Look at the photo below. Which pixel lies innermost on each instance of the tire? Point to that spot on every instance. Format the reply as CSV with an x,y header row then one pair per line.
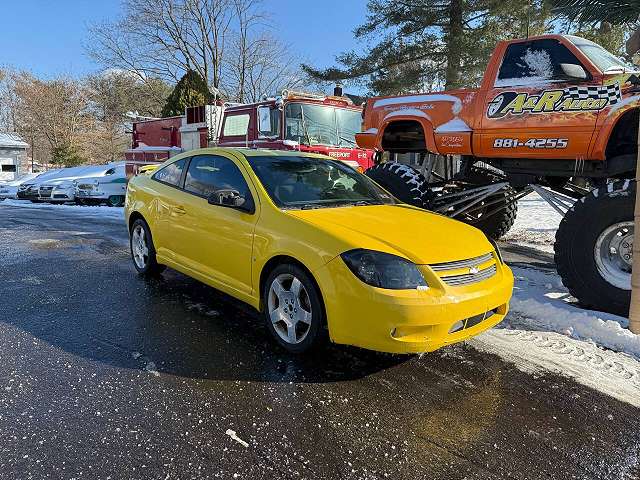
x,y
143,254
583,271
282,305
116,201
404,182
497,224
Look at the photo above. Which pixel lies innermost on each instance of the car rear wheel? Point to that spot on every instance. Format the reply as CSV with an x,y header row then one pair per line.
x,y
293,310
143,252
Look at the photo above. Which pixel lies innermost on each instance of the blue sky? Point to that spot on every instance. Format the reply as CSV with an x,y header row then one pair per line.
x,y
46,36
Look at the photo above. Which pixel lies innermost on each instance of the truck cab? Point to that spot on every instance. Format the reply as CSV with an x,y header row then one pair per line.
x,y
559,99
298,121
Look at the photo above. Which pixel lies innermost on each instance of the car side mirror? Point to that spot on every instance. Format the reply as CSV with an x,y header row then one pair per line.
x,y
571,70
232,199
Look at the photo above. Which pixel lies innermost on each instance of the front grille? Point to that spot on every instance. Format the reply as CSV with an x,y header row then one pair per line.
x,y
85,186
46,189
469,278
468,271
471,262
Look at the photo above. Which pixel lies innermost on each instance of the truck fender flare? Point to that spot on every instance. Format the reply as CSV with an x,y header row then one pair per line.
x,y
425,123
599,147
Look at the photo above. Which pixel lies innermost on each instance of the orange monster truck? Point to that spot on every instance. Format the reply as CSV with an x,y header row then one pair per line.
x,y
557,114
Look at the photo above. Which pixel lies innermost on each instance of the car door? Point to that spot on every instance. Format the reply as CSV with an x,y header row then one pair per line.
x,y
219,242
167,226
544,103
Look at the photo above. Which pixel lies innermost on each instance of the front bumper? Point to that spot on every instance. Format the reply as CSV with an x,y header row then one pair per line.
x,y
410,321
91,194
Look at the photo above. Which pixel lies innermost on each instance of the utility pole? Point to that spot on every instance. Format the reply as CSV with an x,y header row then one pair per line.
x,y
634,309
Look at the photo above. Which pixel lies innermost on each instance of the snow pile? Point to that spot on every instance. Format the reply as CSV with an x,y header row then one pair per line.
x,y
541,302
104,211
535,225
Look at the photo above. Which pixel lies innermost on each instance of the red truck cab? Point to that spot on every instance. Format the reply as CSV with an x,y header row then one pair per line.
x,y
298,121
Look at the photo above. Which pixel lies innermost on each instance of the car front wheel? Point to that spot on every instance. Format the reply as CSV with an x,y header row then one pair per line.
x,y
293,309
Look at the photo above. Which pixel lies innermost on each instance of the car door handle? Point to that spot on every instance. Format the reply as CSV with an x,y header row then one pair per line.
x,y
179,210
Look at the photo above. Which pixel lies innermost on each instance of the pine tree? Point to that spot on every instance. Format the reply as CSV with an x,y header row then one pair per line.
x,y
190,91
424,45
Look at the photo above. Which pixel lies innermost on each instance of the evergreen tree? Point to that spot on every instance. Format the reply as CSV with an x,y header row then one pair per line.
x,y
425,45
66,156
190,91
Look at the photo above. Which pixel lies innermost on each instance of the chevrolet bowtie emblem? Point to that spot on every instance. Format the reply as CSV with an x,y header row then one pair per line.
x,y
473,270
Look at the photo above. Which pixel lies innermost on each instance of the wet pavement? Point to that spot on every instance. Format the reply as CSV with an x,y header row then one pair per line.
x,y
104,374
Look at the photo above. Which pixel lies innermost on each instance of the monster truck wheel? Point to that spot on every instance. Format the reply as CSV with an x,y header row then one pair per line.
x,y
501,209
404,182
593,247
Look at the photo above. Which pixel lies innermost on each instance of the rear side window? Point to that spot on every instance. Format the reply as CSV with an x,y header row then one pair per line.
x,y
209,174
236,125
171,174
534,61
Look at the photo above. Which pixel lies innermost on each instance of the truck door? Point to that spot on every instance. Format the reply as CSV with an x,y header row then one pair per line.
x,y
544,103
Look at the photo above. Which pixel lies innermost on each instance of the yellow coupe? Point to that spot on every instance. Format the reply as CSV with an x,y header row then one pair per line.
x,y
318,248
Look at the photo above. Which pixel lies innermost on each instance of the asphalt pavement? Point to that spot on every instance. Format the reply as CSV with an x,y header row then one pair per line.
x,y
105,374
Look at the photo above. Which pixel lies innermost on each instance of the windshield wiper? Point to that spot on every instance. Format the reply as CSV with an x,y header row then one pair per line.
x,y
350,142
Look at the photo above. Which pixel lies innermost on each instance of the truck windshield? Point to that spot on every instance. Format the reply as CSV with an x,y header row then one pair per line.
x,y
311,124
600,57
299,182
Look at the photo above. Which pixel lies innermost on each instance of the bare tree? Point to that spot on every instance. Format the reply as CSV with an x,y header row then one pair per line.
x,y
264,67
227,42
56,110
8,101
165,38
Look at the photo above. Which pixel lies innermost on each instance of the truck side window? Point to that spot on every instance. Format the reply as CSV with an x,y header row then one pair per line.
x,y
534,62
236,125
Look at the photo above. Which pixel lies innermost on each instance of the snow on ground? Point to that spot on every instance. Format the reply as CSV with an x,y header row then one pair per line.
x,y
101,211
546,331
535,225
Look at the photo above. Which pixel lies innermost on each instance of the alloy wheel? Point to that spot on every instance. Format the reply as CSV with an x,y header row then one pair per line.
x,y
289,308
139,247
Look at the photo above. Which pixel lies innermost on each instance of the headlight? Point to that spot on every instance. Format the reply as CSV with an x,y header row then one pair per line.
x,y
384,270
497,249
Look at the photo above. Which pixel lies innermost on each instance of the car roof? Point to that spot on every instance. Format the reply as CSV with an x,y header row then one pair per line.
x,y
256,152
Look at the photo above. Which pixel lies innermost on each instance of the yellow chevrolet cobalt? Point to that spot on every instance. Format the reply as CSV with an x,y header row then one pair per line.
x,y
318,248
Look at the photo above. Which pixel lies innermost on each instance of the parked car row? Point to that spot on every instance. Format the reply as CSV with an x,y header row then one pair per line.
x,y
87,185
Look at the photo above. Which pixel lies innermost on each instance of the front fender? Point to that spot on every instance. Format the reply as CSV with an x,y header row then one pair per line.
x,y
424,121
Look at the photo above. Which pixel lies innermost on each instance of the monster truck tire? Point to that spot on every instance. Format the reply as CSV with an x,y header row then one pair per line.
x,y
499,223
577,238
404,182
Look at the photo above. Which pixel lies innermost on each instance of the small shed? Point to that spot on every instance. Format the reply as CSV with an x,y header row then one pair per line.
x,y
13,151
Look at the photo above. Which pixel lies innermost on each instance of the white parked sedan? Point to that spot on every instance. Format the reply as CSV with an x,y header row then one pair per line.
x,y
10,189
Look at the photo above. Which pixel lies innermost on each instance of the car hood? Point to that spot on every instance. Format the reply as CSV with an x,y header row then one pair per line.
x,y
421,236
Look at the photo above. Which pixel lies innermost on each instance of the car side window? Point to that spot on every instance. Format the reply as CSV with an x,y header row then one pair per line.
x,y
535,61
171,174
208,174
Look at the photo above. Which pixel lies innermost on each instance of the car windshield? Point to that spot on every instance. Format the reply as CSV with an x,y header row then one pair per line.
x,y
311,124
299,182
600,57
